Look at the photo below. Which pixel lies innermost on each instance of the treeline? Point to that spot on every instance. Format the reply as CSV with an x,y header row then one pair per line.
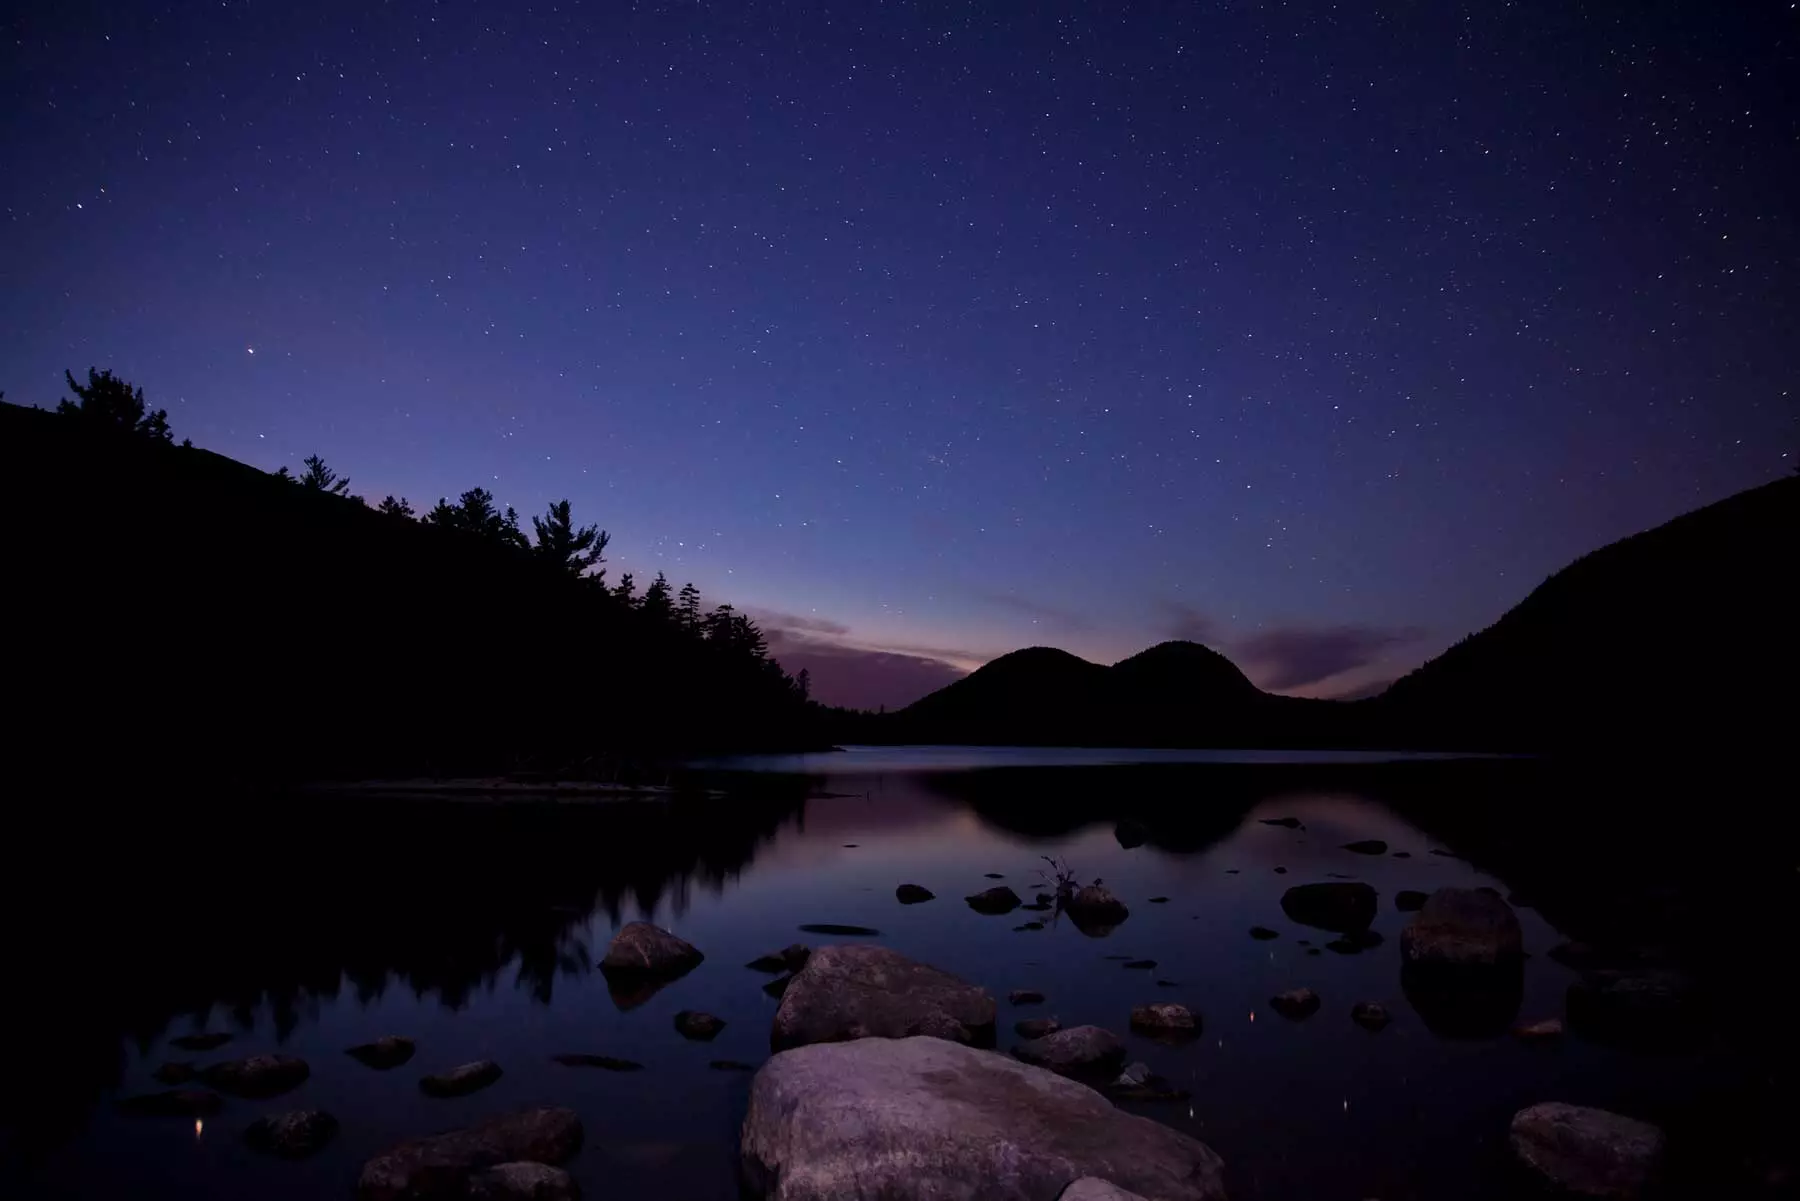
x,y
387,641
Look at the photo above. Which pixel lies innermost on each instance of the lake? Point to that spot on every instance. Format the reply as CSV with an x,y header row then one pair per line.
x,y
473,928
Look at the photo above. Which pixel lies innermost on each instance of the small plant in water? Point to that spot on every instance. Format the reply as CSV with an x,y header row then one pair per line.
x,y
1059,877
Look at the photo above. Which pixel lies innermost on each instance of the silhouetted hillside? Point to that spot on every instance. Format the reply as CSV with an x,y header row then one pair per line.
x,y
177,613
1679,635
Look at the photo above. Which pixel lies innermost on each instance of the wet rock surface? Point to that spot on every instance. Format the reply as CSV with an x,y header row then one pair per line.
x,y
853,991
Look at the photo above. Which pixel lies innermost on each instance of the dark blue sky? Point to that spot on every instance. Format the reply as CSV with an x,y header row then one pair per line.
x,y
1319,332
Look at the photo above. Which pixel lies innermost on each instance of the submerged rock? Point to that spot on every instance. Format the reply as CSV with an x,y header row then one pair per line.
x,y
1095,911
701,1027
1025,996
1370,1015
840,930
461,1080
789,959
1263,933
778,987
1036,1027
1086,1052
606,1063
174,1103
441,1166
1027,926
1587,1152
257,1076
210,1041
853,991
1295,1004
1342,908
913,894
387,1052
1166,1020
994,901
951,1122
292,1135
1367,846
523,1182
1463,928
1291,823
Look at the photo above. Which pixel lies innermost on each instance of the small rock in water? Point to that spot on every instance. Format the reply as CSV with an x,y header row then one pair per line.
x,y
388,1051
1546,1031
1081,1051
1141,965
1338,907
1037,907
175,1103
1403,854
731,1065
1587,1152
291,1135
1232,871
1036,1027
913,894
994,901
1370,1015
1165,1019
1339,876
1263,933
1168,984
850,846
1355,942
1025,996
641,949
1028,926
1291,823
174,1072
702,1027
1095,910
523,1181
1410,900
1296,1003
1159,900
994,875
840,931
1046,898
1133,1075
257,1076
1367,846
201,1042
1138,1083
461,1080
606,1063
789,959
1281,871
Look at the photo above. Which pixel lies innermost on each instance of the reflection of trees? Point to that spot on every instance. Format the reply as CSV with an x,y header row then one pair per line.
x,y
177,916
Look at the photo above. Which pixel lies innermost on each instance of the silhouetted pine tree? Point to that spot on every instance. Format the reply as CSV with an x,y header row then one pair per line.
x,y
687,610
623,590
657,601
561,544
110,402
395,508
321,478
474,514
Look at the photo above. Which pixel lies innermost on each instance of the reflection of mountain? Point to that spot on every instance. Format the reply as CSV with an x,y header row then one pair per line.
x,y
284,903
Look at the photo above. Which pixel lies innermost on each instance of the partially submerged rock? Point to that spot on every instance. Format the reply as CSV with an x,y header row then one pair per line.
x,y
1036,1027
293,1135
1086,1052
1025,996
461,1080
1587,1152
1291,823
1165,1020
789,959
1341,907
1370,1015
1138,1083
1295,1004
994,901
257,1076
840,930
1463,928
387,1052
173,1103
523,1182
441,1166
606,1063
1367,846
1263,933
1355,942
641,949
701,1027
1095,911
913,894
950,1122
854,991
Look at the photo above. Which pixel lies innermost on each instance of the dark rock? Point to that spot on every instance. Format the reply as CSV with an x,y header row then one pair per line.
x,y
1038,907
1339,907
1281,871
1046,898
524,1182
840,931
428,1169
701,1027
851,992
1645,1010
1131,834
1577,955
994,875
257,1076
1355,942
1138,1083
640,948
388,1051
1291,823
1410,900
1084,1052
175,1103
789,959
174,1072
1463,928
1159,900
605,1063
1036,1027
1263,933
1403,854
1232,871
1370,1015
1020,929
950,1122
1367,846
731,1065
778,987
201,1042
994,901
1166,1020
292,1135
1547,1031
1168,984
1025,996
461,1080
1296,1003
1095,911
913,894
1140,965
1339,876
1587,1152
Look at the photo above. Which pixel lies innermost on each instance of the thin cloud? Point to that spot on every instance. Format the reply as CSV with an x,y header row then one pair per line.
x,y
1037,610
1295,656
858,677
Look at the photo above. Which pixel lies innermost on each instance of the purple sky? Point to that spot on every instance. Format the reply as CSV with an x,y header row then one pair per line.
x,y
927,331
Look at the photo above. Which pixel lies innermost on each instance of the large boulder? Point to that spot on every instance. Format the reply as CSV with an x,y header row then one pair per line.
x,y
442,1166
1343,907
1587,1152
921,1119
1463,928
1094,910
523,1182
1082,1052
291,1135
1092,1188
257,1076
857,991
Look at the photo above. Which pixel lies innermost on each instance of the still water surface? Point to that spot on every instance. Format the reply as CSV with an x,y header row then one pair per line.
x,y
483,947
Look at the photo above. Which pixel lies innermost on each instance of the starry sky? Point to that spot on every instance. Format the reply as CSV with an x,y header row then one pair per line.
x,y
1320,333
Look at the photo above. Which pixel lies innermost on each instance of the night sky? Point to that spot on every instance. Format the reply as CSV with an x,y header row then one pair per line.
x,y
1320,333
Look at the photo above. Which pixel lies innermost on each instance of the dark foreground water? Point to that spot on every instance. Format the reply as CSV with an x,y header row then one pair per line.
x,y
473,929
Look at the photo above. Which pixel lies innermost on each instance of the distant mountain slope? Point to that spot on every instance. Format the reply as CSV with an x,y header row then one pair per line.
x,y
1683,632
